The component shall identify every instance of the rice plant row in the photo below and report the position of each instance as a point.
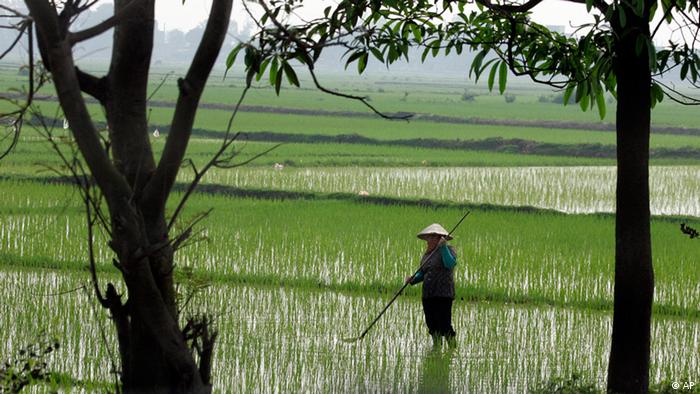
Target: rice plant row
(504, 255)
(674, 190)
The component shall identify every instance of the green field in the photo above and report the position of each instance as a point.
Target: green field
(387, 93)
(294, 259)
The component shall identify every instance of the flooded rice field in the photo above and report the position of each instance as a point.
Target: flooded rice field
(504, 255)
(290, 340)
(674, 190)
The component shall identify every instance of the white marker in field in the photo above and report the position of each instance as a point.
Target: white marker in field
(278, 166)
(363, 193)
(156, 133)
(65, 124)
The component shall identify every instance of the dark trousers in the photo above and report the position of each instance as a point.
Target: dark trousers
(438, 316)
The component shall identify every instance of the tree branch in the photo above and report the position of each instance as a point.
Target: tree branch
(302, 46)
(510, 8)
(663, 18)
(82, 35)
(58, 54)
(22, 28)
(676, 96)
(95, 87)
(599, 4)
(191, 87)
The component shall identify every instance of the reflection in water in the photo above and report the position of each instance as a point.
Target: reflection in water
(435, 371)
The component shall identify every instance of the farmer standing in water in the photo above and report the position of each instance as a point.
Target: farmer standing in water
(437, 275)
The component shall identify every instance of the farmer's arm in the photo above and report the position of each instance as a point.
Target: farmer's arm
(417, 278)
(449, 258)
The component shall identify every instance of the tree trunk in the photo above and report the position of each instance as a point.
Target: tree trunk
(155, 356)
(628, 369)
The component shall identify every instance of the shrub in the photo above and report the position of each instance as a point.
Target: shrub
(553, 98)
(510, 98)
(468, 96)
(28, 366)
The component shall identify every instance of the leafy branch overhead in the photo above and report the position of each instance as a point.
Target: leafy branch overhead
(505, 39)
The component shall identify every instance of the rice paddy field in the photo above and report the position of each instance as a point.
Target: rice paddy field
(299, 255)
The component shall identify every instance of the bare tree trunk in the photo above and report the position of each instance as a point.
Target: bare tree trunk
(628, 369)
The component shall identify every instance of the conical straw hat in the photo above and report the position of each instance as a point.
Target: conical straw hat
(434, 229)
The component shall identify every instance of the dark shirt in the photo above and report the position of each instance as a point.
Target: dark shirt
(437, 274)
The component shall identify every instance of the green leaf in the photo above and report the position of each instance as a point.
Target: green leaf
(362, 63)
(657, 93)
(377, 54)
(492, 76)
(278, 81)
(396, 28)
(252, 59)
(476, 63)
(589, 5)
(273, 70)
(291, 74)
(693, 71)
(249, 76)
(393, 54)
(600, 102)
(663, 57)
(433, 46)
(581, 91)
(684, 70)
(584, 103)
(669, 15)
(568, 91)
(502, 77)
(353, 57)
(652, 55)
(425, 54)
(609, 13)
(232, 56)
(622, 15)
(652, 10)
(417, 34)
(263, 67)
